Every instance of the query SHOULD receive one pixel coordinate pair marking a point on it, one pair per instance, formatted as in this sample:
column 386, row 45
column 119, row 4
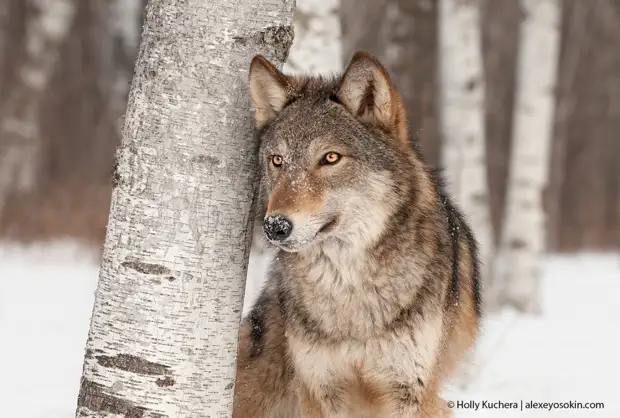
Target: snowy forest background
column 65, row 69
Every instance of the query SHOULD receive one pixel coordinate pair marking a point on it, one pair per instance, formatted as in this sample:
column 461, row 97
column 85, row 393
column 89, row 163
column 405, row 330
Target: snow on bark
column 462, row 120
column 523, row 235
column 47, row 27
column 317, row 49
column 163, row 335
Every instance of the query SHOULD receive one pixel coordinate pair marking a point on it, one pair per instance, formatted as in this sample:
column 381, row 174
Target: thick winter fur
column 373, row 298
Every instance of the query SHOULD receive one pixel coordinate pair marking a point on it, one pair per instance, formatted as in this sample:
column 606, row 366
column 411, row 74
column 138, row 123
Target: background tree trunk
column 523, row 235
column 164, row 328
column 124, row 20
column 402, row 34
column 463, row 121
column 48, row 24
column 317, row 46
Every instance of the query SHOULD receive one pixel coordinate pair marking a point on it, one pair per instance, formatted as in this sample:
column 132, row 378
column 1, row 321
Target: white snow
column 569, row 354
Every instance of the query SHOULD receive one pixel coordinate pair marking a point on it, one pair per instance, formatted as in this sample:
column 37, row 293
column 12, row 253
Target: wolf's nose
column 277, row 227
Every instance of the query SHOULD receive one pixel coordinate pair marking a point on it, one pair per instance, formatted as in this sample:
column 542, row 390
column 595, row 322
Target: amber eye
column 331, row 158
column 276, row 160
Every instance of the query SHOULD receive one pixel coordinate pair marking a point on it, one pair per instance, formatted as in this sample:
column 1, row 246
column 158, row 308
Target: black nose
column 277, row 227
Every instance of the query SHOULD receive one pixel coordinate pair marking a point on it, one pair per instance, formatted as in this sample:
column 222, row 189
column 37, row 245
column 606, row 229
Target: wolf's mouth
column 328, row 226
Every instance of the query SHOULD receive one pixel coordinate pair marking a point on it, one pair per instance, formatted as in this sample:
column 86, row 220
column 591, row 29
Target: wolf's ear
column 367, row 91
column 269, row 89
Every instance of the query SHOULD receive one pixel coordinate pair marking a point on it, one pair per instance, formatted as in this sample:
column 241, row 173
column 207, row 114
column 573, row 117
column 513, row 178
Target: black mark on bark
column 165, row 382
column 471, row 84
column 205, row 159
column 133, row 364
column 146, row 268
column 93, row 397
column 241, row 40
column 517, row 244
column 480, row 198
column 116, row 176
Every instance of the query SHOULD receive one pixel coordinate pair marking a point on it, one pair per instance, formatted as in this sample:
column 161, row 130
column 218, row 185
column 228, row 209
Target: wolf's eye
column 331, row 158
column 276, row 161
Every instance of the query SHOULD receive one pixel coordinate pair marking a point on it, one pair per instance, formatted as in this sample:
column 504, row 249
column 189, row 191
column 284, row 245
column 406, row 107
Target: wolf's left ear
column 367, row 91
column 269, row 88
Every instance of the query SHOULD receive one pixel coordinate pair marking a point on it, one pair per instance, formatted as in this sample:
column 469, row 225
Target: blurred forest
column 57, row 172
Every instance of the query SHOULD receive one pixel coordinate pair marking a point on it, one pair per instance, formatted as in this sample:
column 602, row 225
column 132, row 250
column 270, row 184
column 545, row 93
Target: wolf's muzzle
column 277, row 227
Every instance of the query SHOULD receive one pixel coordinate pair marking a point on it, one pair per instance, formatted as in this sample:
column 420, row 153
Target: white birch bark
column 47, row 27
column 462, row 121
column 163, row 335
column 317, row 49
column 523, row 235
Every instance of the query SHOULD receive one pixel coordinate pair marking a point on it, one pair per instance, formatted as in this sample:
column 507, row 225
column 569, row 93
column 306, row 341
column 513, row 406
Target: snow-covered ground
column 569, row 354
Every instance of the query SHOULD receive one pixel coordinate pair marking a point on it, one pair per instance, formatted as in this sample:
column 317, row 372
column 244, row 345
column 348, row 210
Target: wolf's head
column 335, row 156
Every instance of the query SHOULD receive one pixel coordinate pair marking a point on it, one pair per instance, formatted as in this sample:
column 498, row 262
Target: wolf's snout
column 277, row 227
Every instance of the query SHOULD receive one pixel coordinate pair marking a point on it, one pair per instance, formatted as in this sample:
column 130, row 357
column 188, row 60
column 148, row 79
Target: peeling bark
column 47, row 28
column 163, row 336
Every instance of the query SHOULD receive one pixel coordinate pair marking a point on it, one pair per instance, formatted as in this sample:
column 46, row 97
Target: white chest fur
column 401, row 357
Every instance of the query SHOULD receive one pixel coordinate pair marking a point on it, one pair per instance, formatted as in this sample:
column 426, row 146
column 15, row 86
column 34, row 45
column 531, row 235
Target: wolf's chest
column 351, row 363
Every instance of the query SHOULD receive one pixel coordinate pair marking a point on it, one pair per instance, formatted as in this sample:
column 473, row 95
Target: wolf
column 373, row 296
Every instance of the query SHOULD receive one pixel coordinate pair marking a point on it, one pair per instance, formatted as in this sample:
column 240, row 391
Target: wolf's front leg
column 409, row 402
column 263, row 388
column 325, row 402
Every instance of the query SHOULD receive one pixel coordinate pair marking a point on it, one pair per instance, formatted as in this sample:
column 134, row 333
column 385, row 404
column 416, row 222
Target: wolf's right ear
column 269, row 88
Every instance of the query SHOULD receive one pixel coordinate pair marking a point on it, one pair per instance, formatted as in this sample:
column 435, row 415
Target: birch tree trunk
column 47, row 27
column 462, row 122
column 317, row 49
column 523, row 235
column 163, row 336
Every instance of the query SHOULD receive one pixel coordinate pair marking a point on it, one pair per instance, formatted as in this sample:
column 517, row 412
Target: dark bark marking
column 116, row 175
column 472, row 84
column 133, row 364
column 517, row 244
column 146, row 268
column 92, row 396
column 206, row 159
column 277, row 40
column 165, row 382
column 241, row 40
